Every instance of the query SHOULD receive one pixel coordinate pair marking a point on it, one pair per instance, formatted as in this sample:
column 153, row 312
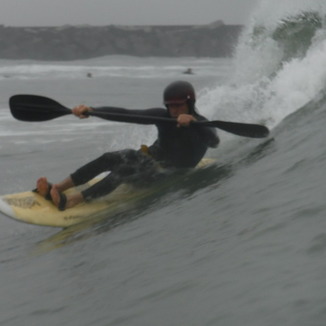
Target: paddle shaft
column 241, row 129
column 40, row 108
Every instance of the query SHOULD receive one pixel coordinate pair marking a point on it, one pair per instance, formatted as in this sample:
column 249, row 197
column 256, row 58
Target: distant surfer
column 188, row 72
column 178, row 146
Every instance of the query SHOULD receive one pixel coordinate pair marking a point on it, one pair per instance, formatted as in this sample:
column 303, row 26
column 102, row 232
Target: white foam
column 6, row 209
column 263, row 87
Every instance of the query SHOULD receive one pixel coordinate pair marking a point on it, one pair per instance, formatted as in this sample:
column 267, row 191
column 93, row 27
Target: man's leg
column 125, row 166
column 110, row 161
column 99, row 189
column 106, row 162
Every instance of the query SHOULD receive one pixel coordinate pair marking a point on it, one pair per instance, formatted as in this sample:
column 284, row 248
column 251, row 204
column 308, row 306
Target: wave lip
column 279, row 62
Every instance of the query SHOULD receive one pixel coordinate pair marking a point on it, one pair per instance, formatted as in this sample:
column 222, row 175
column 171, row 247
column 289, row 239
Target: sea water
column 242, row 242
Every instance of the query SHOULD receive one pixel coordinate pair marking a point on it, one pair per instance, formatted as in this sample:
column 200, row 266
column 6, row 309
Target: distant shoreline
column 84, row 41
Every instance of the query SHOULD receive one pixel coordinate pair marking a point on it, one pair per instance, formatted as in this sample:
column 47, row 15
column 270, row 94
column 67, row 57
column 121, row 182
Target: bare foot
column 55, row 195
column 43, row 187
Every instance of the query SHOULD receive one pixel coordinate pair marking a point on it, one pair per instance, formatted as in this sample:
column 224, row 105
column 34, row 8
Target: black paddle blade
column 36, row 108
column 241, row 129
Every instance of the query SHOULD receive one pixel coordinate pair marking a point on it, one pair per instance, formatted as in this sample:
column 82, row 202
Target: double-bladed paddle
column 40, row 108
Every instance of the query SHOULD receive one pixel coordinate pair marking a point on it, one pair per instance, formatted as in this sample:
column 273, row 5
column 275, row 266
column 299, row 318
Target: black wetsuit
column 175, row 147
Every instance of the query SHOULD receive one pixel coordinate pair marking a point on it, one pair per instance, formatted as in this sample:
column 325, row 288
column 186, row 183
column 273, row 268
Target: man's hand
column 80, row 110
column 184, row 120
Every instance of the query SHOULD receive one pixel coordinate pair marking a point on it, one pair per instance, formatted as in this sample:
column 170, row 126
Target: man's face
column 175, row 109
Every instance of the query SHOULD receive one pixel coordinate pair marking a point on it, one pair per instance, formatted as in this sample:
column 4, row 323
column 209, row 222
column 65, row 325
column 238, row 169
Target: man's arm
column 209, row 133
column 82, row 110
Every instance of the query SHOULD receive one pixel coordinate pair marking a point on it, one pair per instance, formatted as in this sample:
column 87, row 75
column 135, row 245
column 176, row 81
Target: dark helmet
column 179, row 92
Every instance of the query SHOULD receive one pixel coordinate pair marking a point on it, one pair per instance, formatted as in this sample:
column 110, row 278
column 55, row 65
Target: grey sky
column 124, row 12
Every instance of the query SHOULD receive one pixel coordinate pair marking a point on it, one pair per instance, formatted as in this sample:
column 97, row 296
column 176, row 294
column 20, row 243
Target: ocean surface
column 242, row 242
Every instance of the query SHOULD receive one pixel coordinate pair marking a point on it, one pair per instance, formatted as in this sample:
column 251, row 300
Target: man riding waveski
column 179, row 146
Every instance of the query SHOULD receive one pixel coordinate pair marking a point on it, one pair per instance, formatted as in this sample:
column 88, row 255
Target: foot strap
column 62, row 202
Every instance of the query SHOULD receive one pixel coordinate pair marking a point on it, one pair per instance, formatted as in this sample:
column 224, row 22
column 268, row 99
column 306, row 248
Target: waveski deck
column 30, row 207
